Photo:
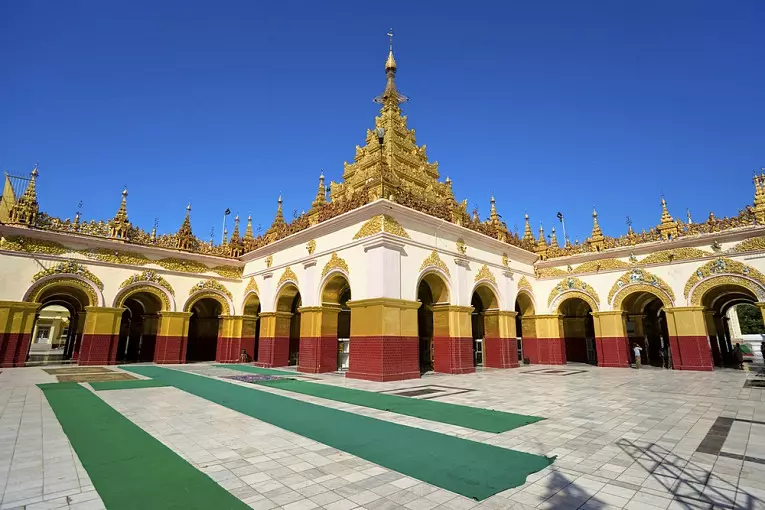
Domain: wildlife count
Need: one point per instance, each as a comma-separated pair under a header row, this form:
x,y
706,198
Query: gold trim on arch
x,y
202,294
573,284
125,293
638,280
38,288
710,283
569,294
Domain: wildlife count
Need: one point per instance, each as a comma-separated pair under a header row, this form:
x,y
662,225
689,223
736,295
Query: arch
x,y
573,287
332,287
639,280
168,303
250,303
577,327
37,291
438,282
488,293
561,298
637,288
225,302
285,295
525,302
703,287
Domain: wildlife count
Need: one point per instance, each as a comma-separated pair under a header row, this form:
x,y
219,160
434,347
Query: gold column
x,y
17,319
318,338
452,339
274,344
689,340
549,345
611,339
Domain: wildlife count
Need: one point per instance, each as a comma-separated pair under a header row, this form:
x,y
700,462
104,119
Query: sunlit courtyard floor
x,y
622,438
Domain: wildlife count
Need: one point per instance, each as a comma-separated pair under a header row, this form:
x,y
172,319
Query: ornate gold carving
x,y
753,244
594,266
225,309
570,294
570,284
228,271
668,256
505,260
29,245
721,267
37,290
210,285
122,296
69,267
381,223
269,260
433,260
149,276
116,257
550,272
334,262
485,274
524,284
252,286
311,246
288,275
24,211
715,281
636,280
461,247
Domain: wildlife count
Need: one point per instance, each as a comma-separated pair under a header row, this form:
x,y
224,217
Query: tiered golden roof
x,y
120,225
185,237
596,240
24,211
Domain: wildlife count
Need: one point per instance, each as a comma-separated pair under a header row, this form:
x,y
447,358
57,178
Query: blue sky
x,y
549,106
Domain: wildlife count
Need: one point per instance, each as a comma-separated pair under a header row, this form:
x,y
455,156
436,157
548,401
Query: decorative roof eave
x,y
83,241
384,206
732,235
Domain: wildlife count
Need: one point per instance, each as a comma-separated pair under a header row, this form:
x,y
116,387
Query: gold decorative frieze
x,y
210,285
572,283
594,266
310,246
720,267
524,284
485,274
288,275
549,272
25,244
433,260
669,256
334,262
149,276
381,223
116,257
753,244
69,267
252,286
640,278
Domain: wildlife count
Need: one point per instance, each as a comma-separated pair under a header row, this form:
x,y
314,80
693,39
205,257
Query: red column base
x,y
317,355
500,353
13,349
98,350
384,358
273,352
550,351
229,350
691,353
613,352
170,350
453,355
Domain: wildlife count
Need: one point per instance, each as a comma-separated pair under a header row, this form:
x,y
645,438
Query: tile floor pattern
x,y
623,439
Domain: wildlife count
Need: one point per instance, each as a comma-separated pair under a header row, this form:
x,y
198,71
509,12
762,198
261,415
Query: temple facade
x,y
386,277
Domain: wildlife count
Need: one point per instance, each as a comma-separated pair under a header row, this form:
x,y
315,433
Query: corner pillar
x,y
318,338
17,318
548,346
500,344
274,344
384,344
611,339
452,339
172,337
237,336
100,336
688,340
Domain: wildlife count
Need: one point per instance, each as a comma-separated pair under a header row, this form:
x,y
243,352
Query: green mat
x,y
252,369
129,468
126,385
473,469
454,414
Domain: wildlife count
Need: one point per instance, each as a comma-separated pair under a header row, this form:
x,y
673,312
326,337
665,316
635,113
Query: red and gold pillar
x,y
172,337
318,338
274,344
714,341
237,334
500,345
688,338
384,344
529,338
17,318
611,339
452,339
100,336
550,347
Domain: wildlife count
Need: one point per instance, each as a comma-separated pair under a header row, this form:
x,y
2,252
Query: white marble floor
x,y
623,439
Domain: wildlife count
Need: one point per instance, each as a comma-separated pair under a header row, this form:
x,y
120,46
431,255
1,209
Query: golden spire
x,y
494,217
185,236
24,210
541,246
321,193
235,234
553,239
668,227
759,197
527,235
248,233
119,226
273,231
236,245
597,240
391,95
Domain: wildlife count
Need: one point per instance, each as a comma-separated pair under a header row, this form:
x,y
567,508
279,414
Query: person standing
x,y
637,350
738,355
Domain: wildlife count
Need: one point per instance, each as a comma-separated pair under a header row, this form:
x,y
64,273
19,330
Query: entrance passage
x,y
579,331
138,329
252,308
344,331
425,327
295,330
57,332
203,330
479,329
647,328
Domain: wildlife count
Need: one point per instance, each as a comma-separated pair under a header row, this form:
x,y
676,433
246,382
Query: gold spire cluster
x,y
24,210
119,226
185,237
668,228
236,243
272,234
597,239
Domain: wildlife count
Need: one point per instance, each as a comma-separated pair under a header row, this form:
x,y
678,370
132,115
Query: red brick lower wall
x,y
229,350
576,349
545,351
318,355
691,353
530,349
613,352
384,358
148,344
13,349
170,349
273,352
98,350
453,355
500,352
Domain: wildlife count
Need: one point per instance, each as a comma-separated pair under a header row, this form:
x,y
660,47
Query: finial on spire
x,y
527,235
391,96
188,209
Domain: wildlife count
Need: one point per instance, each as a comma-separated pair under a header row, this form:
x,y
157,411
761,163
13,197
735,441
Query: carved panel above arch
x,y
335,262
572,283
635,280
719,267
433,260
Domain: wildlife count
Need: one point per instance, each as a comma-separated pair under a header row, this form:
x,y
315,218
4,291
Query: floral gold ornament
x,y
595,266
550,272
311,246
753,244
721,267
523,284
637,279
710,283
149,276
288,276
252,286
72,268
570,284
38,289
122,295
269,261
381,223
669,256
461,247
505,260
434,261
334,263
210,285
485,274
